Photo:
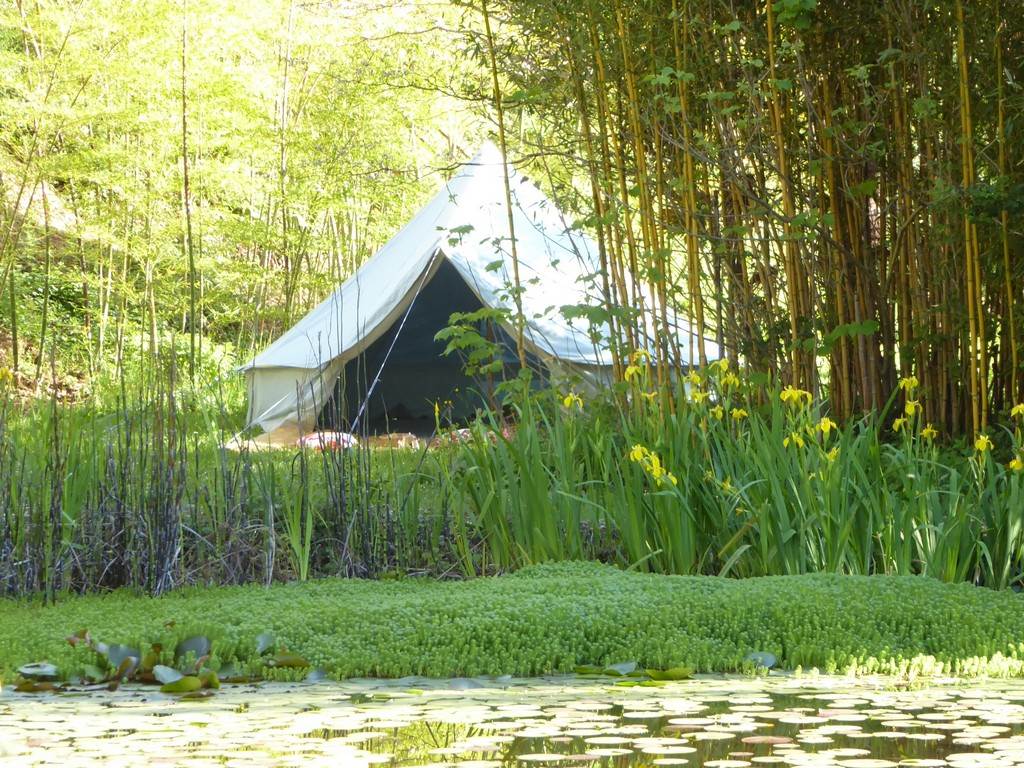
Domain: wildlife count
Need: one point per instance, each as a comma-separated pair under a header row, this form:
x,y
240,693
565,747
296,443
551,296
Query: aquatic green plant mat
x,y
543,619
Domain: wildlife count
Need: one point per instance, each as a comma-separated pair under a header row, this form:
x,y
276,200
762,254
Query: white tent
x,y
453,255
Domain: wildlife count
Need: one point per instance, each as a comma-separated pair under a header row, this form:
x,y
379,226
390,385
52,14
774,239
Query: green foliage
x,y
798,14
305,145
735,481
471,335
554,618
757,488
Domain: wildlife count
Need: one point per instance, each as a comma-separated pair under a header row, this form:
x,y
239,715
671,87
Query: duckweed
x,y
551,618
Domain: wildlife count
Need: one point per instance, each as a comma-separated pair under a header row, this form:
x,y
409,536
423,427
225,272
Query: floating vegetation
x,y
190,676
557,618
806,722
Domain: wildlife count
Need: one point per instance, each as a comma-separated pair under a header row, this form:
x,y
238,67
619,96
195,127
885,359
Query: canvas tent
x,y
371,343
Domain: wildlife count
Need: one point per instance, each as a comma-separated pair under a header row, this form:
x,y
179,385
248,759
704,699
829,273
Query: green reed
x,y
139,490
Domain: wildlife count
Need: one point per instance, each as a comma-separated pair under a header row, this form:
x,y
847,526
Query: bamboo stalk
x,y
648,236
520,319
186,198
1004,219
607,280
788,245
679,36
616,260
979,388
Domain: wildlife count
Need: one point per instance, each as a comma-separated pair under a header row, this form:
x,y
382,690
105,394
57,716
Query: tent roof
x,y
466,222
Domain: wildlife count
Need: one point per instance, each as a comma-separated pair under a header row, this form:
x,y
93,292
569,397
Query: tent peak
x,y
488,157
488,154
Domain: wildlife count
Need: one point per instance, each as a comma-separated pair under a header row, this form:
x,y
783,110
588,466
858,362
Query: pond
x,y
719,722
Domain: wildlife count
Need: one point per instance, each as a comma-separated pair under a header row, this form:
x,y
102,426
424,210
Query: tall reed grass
x,y
725,477
139,490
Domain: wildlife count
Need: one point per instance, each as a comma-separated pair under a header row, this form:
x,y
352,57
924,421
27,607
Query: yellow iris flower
x,y
909,383
792,395
793,439
651,464
730,380
699,396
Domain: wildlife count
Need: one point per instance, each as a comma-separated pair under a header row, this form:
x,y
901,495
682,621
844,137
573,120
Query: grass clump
x,y
552,618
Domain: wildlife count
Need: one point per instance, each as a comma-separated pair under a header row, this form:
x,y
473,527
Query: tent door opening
x,y
417,374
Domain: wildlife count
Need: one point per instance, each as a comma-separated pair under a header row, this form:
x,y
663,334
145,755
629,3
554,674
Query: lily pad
x,y
199,645
35,686
622,669
317,675
93,674
126,668
150,659
288,660
265,643
764,739
40,671
464,683
232,673
116,654
203,694
762,659
674,673
165,675
185,684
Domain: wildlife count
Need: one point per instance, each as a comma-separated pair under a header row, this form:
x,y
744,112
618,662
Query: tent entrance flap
x,y
416,374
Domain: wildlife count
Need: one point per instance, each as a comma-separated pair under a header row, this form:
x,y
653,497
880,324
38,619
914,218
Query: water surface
x,y
719,722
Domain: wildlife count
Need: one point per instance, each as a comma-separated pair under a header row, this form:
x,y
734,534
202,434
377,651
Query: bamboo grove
x,y
832,190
